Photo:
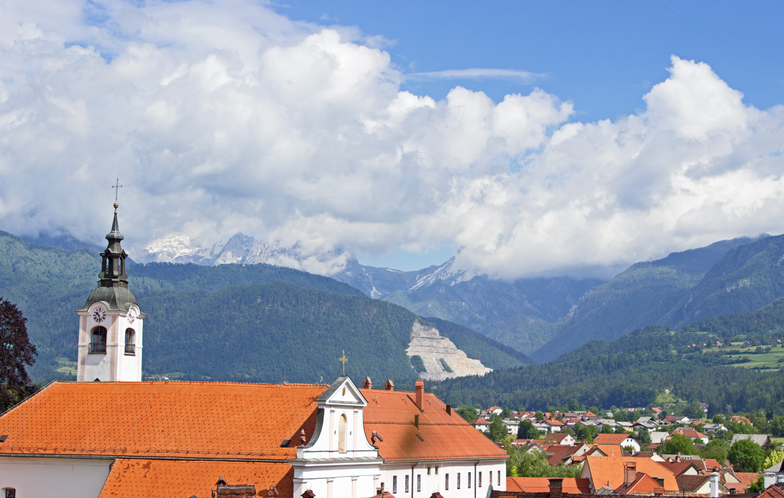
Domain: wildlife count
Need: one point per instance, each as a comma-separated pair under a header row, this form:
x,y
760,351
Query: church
x,y
111,435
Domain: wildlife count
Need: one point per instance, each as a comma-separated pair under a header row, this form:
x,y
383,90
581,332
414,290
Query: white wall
x,y
64,477
436,479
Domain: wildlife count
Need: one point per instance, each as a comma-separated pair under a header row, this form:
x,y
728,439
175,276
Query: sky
x,y
523,138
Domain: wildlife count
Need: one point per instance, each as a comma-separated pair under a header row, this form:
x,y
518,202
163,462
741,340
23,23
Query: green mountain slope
x,y
746,278
524,333
637,297
229,322
631,370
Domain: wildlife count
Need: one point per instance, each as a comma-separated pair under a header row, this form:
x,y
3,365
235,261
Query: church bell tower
x,y
110,322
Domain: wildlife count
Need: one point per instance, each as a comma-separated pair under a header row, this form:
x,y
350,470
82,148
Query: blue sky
x,y
603,56
524,138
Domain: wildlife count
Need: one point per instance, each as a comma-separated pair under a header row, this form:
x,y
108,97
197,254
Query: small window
x,y
9,493
458,480
480,480
428,471
446,481
130,342
406,490
436,470
499,478
98,340
394,484
419,483
469,480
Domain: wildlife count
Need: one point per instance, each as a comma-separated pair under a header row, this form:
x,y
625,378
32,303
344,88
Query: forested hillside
x,y
228,322
631,370
643,295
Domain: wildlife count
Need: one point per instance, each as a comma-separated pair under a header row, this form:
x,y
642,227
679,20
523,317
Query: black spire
x,y
112,279
113,264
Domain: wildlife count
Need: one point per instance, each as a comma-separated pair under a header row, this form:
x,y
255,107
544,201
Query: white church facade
x,y
121,437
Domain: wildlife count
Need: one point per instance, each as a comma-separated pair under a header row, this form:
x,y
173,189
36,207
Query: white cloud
x,y
229,119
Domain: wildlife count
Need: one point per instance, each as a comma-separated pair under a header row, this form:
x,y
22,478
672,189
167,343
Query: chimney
x,y
273,492
419,385
714,485
629,472
449,409
556,488
367,384
389,386
224,490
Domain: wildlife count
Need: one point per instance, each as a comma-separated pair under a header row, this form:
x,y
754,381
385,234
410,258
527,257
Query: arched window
x,y
342,434
130,342
98,340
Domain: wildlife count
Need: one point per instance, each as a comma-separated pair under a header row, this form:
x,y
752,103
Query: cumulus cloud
x,y
234,118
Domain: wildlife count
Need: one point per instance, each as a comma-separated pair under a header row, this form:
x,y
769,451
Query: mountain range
x,y
543,317
235,322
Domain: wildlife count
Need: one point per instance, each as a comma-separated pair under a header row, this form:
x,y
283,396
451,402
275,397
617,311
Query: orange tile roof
x,y
711,463
163,419
773,491
140,478
643,484
603,470
542,485
611,439
747,478
391,415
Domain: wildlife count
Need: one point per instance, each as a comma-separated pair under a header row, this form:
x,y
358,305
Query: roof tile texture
x,y
185,419
391,414
138,478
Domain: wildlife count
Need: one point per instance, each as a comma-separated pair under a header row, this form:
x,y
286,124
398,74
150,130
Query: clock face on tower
x,y
99,314
133,313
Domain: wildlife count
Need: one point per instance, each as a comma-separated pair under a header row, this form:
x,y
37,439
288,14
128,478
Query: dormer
x,y
340,432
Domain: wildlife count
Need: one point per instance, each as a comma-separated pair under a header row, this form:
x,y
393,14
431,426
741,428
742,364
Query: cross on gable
x,y
343,360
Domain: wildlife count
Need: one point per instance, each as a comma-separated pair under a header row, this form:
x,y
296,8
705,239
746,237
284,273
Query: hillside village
x,y
300,439
632,452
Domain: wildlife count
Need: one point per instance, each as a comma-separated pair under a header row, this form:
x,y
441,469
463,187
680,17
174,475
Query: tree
x,y
585,432
643,436
539,416
678,443
526,430
777,426
716,449
527,462
467,412
746,455
757,486
16,352
497,430
606,429
694,410
772,459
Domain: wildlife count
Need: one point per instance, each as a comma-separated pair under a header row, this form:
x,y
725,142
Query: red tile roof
x,y
611,439
604,470
392,413
643,484
164,419
542,485
139,478
773,491
747,478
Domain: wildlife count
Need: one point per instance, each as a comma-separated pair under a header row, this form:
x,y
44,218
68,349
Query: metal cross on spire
x,y
343,360
116,188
